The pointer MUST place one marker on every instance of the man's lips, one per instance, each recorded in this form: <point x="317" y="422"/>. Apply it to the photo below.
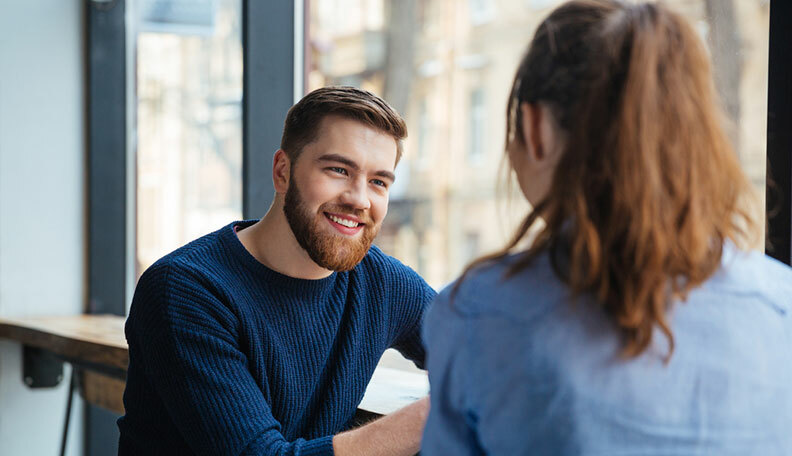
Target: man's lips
<point x="351" y="218"/>
<point x="340" y="227"/>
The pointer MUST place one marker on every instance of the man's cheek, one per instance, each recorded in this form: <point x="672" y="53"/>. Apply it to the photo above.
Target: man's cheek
<point x="380" y="213"/>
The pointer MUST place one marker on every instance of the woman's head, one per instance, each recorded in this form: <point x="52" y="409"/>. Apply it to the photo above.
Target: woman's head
<point x="616" y="137"/>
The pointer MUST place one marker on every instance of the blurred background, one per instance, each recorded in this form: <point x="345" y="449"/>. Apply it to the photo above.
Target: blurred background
<point x="131" y="127"/>
<point x="446" y="65"/>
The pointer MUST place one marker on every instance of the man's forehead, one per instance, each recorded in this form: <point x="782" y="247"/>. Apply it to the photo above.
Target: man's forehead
<point x="355" y="140"/>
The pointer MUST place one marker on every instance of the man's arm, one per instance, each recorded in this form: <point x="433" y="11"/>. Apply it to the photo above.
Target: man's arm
<point x="184" y="340"/>
<point x="397" y="434"/>
<point x="410" y="317"/>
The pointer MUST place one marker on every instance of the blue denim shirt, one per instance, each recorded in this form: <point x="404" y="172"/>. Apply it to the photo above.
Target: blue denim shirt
<point x="517" y="368"/>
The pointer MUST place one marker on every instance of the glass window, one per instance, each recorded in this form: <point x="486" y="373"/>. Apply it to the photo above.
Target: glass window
<point x="189" y="122"/>
<point x="459" y="72"/>
<point x="457" y="64"/>
<point x="737" y="33"/>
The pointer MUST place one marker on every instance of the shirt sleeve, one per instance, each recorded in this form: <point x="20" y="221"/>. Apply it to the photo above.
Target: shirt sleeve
<point x="452" y="422"/>
<point x="408" y="341"/>
<point x="188" y="343"/>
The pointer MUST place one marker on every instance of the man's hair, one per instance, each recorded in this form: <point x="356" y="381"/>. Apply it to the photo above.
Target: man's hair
<point x="304" y="119"/>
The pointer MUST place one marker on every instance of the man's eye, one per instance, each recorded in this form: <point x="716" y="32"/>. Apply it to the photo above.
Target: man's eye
<point x="338" y="170"/>
<point x="379" y="182"/>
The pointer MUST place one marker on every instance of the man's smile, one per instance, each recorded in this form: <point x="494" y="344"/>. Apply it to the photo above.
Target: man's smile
<point x="345" y="224"/>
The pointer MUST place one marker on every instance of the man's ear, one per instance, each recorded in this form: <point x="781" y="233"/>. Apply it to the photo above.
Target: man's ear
<point x="281" y="171"/>
<point x="532" y="118"/>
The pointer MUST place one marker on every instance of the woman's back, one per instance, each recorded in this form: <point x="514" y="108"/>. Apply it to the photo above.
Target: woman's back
<point x="524" y="369"/>
<point x="650" y="332"/>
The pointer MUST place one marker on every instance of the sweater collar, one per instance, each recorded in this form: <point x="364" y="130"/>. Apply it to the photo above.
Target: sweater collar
<point x="291" y="285"/>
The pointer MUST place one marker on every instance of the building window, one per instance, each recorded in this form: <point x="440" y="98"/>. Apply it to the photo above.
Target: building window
<point x="471" y="247"/>
<point x="481" y="11"/>
<point x="424" y="133"/>
<point x="477" y="118"/>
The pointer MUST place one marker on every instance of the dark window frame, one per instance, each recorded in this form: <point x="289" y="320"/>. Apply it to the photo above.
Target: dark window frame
<point x="108" y="248"/>
<point x="779" y="135"/>
<point x="268" y="92"/>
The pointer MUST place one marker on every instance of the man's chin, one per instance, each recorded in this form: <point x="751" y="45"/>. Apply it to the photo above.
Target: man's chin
<point x="341" y="258"/>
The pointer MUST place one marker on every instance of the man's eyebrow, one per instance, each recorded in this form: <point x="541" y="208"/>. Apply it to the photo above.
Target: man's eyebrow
<point x="386" y="175"/>
<point x="339" y="159"/>
<point x="344" y="160"/>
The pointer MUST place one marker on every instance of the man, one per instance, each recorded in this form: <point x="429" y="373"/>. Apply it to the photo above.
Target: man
<point x="260" y="338"/>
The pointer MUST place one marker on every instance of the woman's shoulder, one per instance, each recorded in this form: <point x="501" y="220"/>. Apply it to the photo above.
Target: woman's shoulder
<point x="747" y="272"/>
<point x="496" y="288"/>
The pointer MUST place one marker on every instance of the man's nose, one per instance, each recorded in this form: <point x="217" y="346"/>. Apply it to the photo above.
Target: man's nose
<point x="356" y="195"/>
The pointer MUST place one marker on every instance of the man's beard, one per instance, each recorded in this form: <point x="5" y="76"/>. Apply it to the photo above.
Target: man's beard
<point x="333" y="252"/>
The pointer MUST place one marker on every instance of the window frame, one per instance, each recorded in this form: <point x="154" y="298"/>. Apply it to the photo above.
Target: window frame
<point x="110" y="229"/>
<point x="779" y="136"/>
<point x="273" y="66"/>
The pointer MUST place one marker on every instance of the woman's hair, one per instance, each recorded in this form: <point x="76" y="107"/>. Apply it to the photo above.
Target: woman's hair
<point x="648" y="187"/>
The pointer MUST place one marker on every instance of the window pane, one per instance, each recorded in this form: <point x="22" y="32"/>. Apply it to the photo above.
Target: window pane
<point x="477" y="115"/>
<point x="189" y="122"/>
<point x="737" y="33"/>
<point x="447" y="65"/>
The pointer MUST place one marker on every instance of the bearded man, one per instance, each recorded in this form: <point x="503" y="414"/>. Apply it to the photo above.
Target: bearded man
<point x="260" y="338"/>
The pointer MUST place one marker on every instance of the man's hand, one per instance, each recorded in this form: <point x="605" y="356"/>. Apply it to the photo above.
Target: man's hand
<point x="397" y="434"/>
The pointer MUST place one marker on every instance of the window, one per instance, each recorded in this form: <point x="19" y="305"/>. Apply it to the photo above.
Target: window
<point x="737" y="33"/>
<point x="189" y="143"/>
<point x="424" y="134"/>
<point x="481" y="11"/>
<point x="456" y="66"/>
<point x="477" y="113"/>
<point x="542" y="4"/>
<point x="471" y="247"/>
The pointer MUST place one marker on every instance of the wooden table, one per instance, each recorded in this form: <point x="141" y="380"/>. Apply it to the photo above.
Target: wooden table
<point x="96" y="346"/>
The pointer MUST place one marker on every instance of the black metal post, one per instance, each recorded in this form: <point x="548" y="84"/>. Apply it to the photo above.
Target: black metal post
<point x="67" y="419"/>
<point x="268" y="93"/>
<point x="107" y="171"/>
<point x="779" y="133"/>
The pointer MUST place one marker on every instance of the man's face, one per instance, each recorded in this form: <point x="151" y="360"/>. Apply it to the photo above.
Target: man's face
<point x="338" y="192"/>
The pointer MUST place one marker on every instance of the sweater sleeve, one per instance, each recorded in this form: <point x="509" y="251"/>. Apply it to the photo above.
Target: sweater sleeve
<point x="419" y="297"/>
<point x="188" y="343"/>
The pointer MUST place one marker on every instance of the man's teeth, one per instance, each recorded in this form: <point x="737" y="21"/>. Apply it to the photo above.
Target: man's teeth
<point x="345" y="222"/>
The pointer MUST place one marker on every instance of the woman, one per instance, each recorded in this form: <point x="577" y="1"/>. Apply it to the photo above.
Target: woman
<point x="634" y="323"/>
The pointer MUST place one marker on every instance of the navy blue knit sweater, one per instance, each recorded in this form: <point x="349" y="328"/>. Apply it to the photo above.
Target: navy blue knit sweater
<point x="228" y="357"/>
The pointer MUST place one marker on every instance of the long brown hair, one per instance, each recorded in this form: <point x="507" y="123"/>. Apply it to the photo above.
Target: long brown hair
<point x="648" y="187"/>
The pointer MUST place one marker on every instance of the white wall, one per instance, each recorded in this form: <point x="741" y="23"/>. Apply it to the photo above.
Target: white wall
<point x="42" y="223"/>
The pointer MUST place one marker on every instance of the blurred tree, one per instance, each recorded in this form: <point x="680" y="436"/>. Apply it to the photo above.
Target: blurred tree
<point x="726" y="47"/>
<point x="402" y="27"/>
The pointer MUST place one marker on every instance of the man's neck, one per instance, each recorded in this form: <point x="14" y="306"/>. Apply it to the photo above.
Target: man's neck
<point x="272" y="242"/>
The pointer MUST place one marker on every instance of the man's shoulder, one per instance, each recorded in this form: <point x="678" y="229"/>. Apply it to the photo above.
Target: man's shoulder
<point x="199" y="267"/>
<point x="379" y="268"/>
<point x="195" y="256"/>
<point x="375" y="255"/>
<point x="190" y="280"/>
<point x="379" y="262"/>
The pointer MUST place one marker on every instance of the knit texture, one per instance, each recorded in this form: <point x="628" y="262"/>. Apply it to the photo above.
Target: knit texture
<point x="229" y="357"/>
